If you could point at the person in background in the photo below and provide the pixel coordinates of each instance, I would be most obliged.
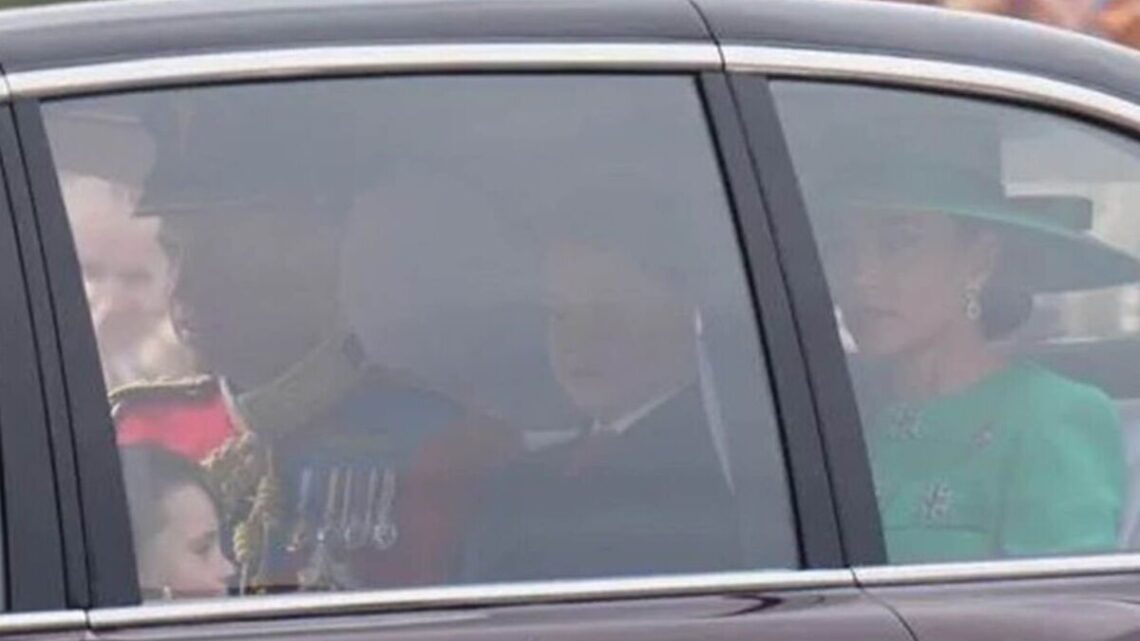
(1067, 14)
(174, 521)
(125, 274)
(1115, 20)
(1120, 21)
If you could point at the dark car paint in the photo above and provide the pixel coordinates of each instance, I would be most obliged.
(107, 31)
(53, 636)
(1077, 607)
(1104, 608)
(777, 616)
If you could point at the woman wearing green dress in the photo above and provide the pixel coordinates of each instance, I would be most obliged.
(975, 455)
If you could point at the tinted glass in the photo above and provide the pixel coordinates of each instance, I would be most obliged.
(423, 330)
(983, 262)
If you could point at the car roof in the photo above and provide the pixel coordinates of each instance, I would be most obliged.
(93, 32)
(80, 33)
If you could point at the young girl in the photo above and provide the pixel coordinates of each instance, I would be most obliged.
(174, 519)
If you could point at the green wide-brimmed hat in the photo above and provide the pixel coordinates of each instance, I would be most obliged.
(1046, 238)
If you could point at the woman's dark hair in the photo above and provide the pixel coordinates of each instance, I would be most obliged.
(151, 474)
(1006, 305)
(1006, 300)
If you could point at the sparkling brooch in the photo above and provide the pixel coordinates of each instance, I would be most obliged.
(936, 502)
(904, 422)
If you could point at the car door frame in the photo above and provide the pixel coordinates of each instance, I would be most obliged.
(106, 532)
(41, 594)
(844, 452)
(85, 448)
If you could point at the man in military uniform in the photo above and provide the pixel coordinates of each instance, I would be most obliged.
(334, 473)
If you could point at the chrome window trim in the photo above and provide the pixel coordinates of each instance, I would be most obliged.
(42, 622)
(932, 74)
(404, 600)
(5, 88)
(342, 60)
(998, 570)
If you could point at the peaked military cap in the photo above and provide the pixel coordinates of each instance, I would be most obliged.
(251, 146)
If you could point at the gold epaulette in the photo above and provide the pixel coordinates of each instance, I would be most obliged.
(187, 390)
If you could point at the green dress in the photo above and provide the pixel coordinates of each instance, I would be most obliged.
(1022, 463)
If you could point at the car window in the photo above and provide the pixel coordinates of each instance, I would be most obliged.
(983, 262)
(408, 331)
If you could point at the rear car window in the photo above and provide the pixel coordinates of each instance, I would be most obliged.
(425, 330)
(983, 262)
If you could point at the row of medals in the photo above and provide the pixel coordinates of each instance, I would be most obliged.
(356, 515)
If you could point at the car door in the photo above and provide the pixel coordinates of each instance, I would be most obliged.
(527, 246)
(980, 542)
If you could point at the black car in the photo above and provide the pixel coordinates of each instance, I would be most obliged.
(511, 319)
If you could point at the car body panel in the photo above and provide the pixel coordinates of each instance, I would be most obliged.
(842, 613)
(35, 527)
(1060, 609)
(74, 635)
(81, 34)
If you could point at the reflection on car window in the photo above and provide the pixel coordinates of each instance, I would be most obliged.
(983, 263)
(419, 331)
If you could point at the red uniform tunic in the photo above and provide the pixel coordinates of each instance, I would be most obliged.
(190, 417)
